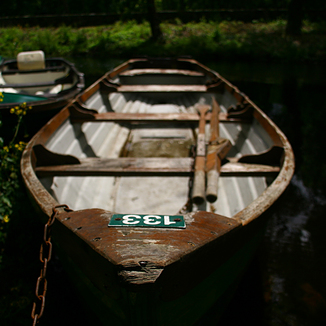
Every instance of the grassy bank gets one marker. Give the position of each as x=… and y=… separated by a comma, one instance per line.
x=234, y=40
x=20, y=233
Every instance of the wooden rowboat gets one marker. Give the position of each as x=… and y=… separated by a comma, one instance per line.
x=43, y=84
x=169, y=173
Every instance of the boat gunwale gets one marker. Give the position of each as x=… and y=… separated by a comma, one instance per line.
x=246, y=215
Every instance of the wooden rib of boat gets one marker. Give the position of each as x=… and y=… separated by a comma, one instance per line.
x=169, y=172
x=43, y=84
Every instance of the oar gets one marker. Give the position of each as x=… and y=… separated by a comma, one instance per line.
x=198, y=189
x=217, y=149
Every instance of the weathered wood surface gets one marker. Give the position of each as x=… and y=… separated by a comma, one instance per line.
x=198, y=188
x=145, y=256
x=78, y=115
x=129, y=166
x=161, y=88
x=213, y=162
x=167, y=262
x=152, y=71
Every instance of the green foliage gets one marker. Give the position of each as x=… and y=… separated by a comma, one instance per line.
x=117, y=39
x=10, y=183
x=11, y=40
x=189, y=39
x=232, y=40
x=130, y=34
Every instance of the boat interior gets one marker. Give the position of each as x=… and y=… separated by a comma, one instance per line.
x=171, y=140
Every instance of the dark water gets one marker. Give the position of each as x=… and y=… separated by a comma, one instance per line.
x=286, y=282
x=288, y=276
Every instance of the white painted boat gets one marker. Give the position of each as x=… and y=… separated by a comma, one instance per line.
x=169, y=173
x=42, y=83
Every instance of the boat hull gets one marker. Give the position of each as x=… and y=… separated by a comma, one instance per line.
x=123, y=157
x=42, y=89
x=204, y=304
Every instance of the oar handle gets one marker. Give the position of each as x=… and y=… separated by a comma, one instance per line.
x=213, y=163
x=198, y=188
x=213, y=175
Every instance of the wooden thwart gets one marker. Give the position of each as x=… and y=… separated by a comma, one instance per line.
x=247, y=170
x=154, y=71
x=82, y=115
x=126, y=166
x=161, y=88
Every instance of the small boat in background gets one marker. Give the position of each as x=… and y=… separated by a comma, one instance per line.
x=43, y=84
x=160, y=177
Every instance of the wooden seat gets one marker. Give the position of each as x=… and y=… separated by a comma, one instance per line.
x=158, y=166
x=80, y=114
x=161, y=88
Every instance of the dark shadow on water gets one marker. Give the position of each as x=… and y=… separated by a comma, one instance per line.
x=246, y=306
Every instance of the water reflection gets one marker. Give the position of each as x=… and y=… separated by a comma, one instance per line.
x=293, y=290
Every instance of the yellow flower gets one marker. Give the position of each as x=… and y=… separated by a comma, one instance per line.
x=6, y=219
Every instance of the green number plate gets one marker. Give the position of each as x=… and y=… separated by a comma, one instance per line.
x=149, y=221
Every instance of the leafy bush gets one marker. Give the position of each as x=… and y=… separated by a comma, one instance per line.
x=10, y=182
x=229, y=39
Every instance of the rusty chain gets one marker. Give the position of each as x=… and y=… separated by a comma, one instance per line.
x=45, y=257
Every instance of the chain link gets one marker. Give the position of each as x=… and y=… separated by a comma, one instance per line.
x=45, y=257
